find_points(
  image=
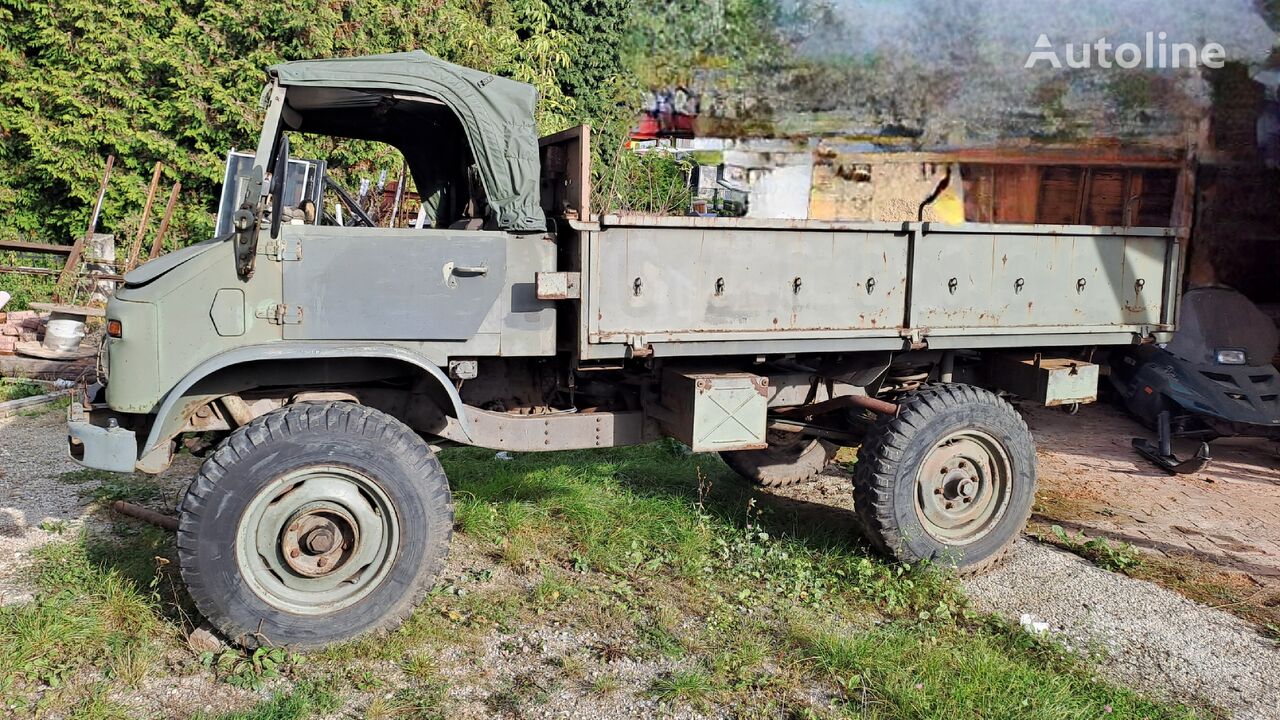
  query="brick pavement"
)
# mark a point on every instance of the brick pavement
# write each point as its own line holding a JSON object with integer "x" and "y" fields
{"x": 1092, "y": 480}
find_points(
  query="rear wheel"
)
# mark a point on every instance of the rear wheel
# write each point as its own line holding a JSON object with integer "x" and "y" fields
{"x": 950, "y": 479}
{"x": 790, "y": 459}
{"x": 314, "y": 524}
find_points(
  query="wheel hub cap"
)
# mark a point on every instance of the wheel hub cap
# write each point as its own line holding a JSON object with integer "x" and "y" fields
{"x": 317, "y": 539}
{"x": 310, "y": 543}
{"x": 963, "y": 487}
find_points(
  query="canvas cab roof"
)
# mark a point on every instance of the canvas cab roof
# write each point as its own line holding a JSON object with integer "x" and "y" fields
{"x": 497, "y": 115}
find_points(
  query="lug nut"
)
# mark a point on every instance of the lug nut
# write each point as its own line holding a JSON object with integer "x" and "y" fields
{"x": 294, "y": 553}
{"x": 322, "y": 562}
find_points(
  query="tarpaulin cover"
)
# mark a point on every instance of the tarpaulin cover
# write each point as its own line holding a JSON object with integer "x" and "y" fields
{"x": 496, "y": 113}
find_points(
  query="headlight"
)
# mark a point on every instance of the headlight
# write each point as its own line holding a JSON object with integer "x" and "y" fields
{"x": 1230, "y": 357}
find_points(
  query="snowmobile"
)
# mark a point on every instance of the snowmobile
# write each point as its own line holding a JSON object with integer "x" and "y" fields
{"x": 1215, "y": 378}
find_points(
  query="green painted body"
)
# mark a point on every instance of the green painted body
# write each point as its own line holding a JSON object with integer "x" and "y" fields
{"x": 169, "y": 326}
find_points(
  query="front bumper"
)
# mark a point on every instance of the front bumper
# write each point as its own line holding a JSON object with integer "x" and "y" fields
{"x": 110, "y": 448}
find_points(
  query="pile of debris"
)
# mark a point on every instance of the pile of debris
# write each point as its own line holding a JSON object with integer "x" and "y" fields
{"x": 16, "y": 327}
{"x": 48, "y": 341}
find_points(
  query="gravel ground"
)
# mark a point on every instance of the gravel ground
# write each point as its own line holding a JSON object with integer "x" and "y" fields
{"x": 1153, "y": 638}
{"x": 32, "y": 457}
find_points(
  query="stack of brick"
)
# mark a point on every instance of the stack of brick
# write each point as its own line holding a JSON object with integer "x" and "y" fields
{"x": 18, "y": 326}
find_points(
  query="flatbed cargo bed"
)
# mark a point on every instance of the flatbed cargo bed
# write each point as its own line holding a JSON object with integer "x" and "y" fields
{"x": 675, "y": 286}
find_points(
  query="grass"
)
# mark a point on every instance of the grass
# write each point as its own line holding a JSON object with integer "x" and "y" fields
{"x": 18, "y": 389}
{"x": 84, "y": 616}
{"x": 739, "y": 601}
{"x": 305, "y": 700}
{"x": 694, "y": 687}
{"x": 892, "y": 671}
{"x": 1117, "y": 557}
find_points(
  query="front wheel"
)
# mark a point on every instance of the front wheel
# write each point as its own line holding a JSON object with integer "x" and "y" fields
{"x": 950, "y": 479}
{"x": 314, "y": 524}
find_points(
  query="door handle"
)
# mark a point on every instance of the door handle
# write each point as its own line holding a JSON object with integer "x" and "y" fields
{"x": 452, "y": 269}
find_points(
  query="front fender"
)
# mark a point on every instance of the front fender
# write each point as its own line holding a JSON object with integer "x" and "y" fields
{"x": 173, "y": 411}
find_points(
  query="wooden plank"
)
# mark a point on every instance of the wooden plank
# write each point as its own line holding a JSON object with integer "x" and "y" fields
{"x": 13, "y": 407}
{"x": 132, "y": 261}
{"x": 158, "y": 243}
{"x": 1017, "y": 194}
{"x": 73, "y": 260}
{"x": 35, "y": 368}
{"x": 30, "y": 247}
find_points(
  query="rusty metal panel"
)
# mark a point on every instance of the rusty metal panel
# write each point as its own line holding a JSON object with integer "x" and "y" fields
{"x": 1049, "y": 380}
{"x": 1143, "y": 285}
{"x": 673, "y": 283}
{"x": 558, "y": 285}
{"x": 995, "y": 280}
{"x": 672, "y": 286}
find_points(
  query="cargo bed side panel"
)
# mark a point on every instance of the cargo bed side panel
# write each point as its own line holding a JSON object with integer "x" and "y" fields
{"x": 682, "y": 283}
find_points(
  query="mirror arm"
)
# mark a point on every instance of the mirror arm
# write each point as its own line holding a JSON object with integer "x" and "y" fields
{"x": 247, "y": 223}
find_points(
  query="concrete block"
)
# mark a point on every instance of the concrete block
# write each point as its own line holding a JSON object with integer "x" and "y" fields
{"x": 11, "y": 330}
{"x": 19, "y": 315}
{"x": 8, "y": 345}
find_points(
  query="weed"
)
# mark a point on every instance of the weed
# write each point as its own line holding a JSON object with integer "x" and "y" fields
{"x": 524, "y": 689}
{"x": 572, "y": 666}
{"x": 691, "y": 686}
{"x": 84, "y": 615}
{"x": 660, "y": 634}
{"x": 18, "y": 389}
{"x": 605, "y": 683}
{"x": 85, "y": 475}
{"x": 95, "y": 705}
{"x": 248, "y": 670}
{"x": 1121, "y": 557}
{"x": 420, "y": 667}
{"x": 57, "y": 527}
{"x": 131, "y": 488}
{"x": 55, "y": 405}
{"x": 305, "y": 700}
{"x": 426, "y": 702}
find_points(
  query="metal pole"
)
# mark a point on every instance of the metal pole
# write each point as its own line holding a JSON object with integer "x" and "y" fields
{"x": 132, "y": 262}
{"x": 395, "y": 207}
{"x": 168, "y": 522}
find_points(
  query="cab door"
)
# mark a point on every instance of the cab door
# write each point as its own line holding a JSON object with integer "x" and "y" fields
{"x": 360, "y": 283}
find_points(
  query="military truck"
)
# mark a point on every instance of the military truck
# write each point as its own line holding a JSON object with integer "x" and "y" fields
{"x": 320, "y": 366}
